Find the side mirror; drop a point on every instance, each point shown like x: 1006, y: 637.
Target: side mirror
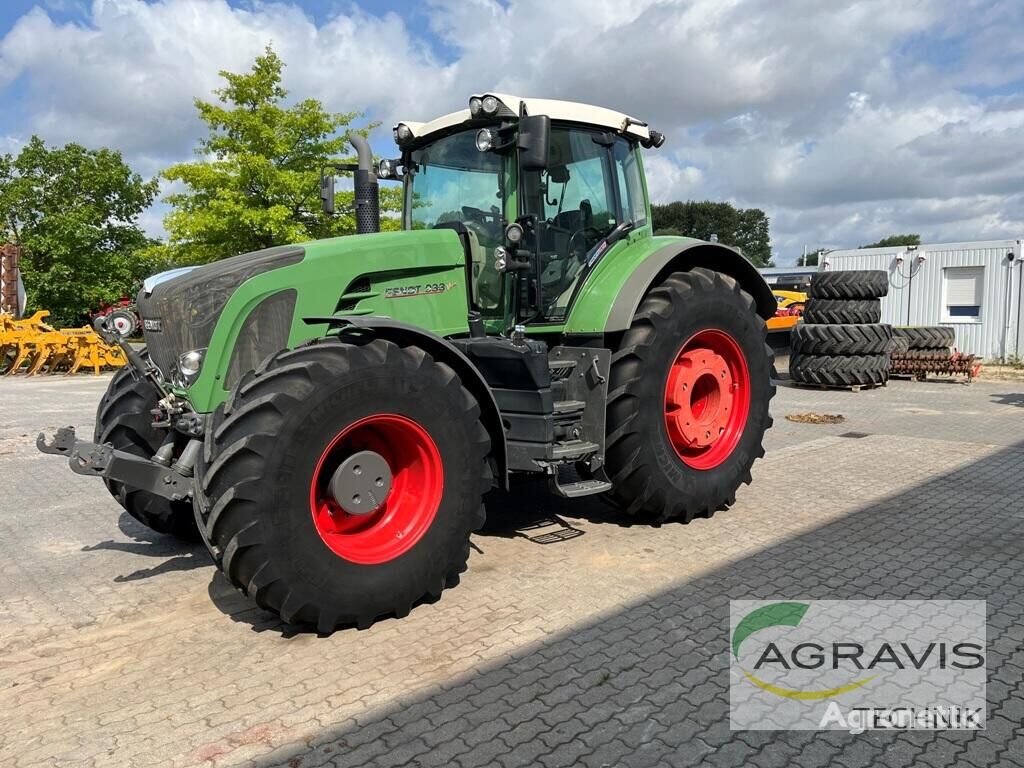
x: 534, y: 141
x: 327, y: 192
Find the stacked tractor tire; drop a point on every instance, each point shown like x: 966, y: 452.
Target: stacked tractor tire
x: 841, y: 342
x: 926, y: 342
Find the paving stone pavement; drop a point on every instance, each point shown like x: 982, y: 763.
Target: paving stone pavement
x: 119, y: 647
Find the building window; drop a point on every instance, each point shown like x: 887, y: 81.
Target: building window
x: 963, y: 288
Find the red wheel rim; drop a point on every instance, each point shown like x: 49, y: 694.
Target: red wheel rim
x: 409, y: 508
x: 707, y: 399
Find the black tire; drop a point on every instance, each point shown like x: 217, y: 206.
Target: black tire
x: 839, y: 370
x: 261, y: 457
x: 123, y: 419
x: 649, y: 477
x: 873, y: 339
x: 124, y: 322
x: 856, y: 311
x: 927, y: 336
x: 898, y: 346
x: 851, y: 284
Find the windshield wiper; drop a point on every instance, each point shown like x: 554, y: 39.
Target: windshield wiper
x: 610, y: 239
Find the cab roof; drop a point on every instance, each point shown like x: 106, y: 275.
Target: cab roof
x: 569, y: 111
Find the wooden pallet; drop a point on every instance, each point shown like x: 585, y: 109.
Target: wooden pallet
x: 838, y: 387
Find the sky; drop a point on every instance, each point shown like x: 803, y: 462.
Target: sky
x: 843, y: 121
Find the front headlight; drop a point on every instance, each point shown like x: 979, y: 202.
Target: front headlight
x: 500, y: 258
x: 189, y: 365
x: 402, y: 133
x: 489, y: 104
x: 485, y: 140
x: 387, y: 169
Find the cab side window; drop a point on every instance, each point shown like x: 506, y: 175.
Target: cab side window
x: 631, y: 185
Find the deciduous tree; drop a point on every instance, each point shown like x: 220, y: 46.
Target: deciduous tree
x: 744, y: 228
x: 891, y: 240
x: 255, y: 182
x: 75, y: 212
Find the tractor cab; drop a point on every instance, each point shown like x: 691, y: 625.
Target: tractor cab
x: 539, y: 190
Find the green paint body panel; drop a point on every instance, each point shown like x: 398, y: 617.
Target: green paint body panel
x: 415, y: 276
x: 589, y: 313
x: 427, y: 267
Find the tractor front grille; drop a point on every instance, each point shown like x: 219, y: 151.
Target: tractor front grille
x: 181, y: 314
x: 264, y: 332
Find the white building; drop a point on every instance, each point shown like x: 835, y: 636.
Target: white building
x: 976, y: 288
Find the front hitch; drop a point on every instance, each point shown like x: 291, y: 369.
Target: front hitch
x: 107, y: 462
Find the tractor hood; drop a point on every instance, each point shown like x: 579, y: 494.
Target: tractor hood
x: 242, y: 309
x: 180, y: 308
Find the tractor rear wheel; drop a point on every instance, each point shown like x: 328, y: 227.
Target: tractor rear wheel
x: 688, y: 398
x: 341, y: 482
x: 123, y: 419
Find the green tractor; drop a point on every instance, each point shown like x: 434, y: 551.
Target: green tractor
x: 328, y: 416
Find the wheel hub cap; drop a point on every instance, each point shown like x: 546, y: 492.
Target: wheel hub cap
x: 376, y: 488
x: 361, y: 483
x: 699, y: 397
x: 707, y: 399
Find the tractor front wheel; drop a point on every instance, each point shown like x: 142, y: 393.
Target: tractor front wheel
x: 123, y: 419
x: 688, y: 398
x: 341, y: 482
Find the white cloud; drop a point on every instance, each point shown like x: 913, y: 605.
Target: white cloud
x: 128, y: 78
x: 844, y: 121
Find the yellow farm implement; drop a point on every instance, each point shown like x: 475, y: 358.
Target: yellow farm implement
x: 31, y: 346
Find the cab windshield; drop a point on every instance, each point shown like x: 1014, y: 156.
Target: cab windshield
x: 452, y: 181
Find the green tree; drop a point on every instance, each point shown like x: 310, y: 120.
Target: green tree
x: 744, y: 228
x: 74, y: 211
x: 256, y: 182
x: 810, y: 259
x: 891, y: 240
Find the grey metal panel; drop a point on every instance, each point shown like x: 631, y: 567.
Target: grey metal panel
x: 1018, y: 319
x: 916, y: 289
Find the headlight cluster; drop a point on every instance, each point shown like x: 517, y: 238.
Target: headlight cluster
x: 485, y: 105
x: 189, y: 366
x: 500, y: 258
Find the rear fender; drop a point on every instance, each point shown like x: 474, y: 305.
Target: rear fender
x: 682, y: 257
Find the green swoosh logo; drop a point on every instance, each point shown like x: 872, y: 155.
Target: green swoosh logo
x: 772, y: 615
x: 784, y: 614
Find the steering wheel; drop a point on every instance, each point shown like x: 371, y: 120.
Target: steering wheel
x: 593, y: 231
x: 488, y: 221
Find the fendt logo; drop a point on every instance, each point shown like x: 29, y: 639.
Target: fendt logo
x: 856, y: 657
x: 857, y: 664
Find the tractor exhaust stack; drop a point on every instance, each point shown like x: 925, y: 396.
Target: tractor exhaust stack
x: 367, y: 194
